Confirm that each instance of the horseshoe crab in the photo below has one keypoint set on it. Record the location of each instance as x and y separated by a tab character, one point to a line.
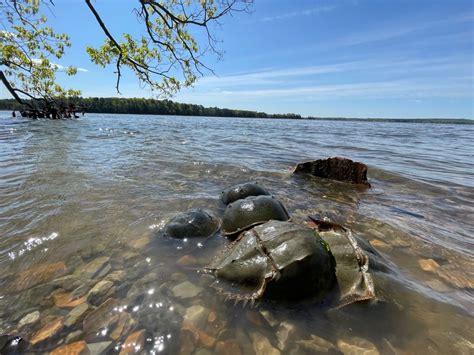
355	283
276	260
241	191
192	223
250	211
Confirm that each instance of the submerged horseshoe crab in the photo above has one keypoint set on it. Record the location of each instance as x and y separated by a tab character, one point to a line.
241	191
248	212
284	260
192	223
275	260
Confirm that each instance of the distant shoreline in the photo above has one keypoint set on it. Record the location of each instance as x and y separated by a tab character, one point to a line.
141	106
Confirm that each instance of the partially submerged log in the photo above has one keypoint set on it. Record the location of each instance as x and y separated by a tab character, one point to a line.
336	168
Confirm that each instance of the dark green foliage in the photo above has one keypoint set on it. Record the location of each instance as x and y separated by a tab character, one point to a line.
142	106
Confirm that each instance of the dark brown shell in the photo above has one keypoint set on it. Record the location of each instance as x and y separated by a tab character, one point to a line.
253	210
241	191
275	260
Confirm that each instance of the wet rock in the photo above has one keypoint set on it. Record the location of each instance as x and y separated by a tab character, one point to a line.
356	346
134	343
316	344
211	318
66	300
284	332
262	345
74	336
13	344
99	348
197	316
125	323
94	269
82	290
269	318
187	260
455	277
36	275
428	265
186	289
379	244
243	341
140	243
254	317
178	276
77	348
102	317
228	347
203	351
117	276
76	315
437	285
48	331
100	291
68	282
29	319
336	168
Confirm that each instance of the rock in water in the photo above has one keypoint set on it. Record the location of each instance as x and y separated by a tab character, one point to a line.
241	191
336	168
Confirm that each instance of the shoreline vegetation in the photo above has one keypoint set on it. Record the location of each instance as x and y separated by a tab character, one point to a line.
142	106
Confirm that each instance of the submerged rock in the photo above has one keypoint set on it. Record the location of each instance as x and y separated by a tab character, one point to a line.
36	275
357	345
77	348
336	168
30	318
189	224
248	212
241	191
48	331
134	343
186	289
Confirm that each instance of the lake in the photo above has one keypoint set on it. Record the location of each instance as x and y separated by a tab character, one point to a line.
82	202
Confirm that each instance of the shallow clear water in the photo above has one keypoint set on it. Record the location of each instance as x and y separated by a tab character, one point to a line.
97	189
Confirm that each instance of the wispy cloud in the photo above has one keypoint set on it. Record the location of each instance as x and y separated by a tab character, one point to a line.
307	12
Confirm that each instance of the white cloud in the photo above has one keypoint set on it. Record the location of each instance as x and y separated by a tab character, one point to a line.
308	12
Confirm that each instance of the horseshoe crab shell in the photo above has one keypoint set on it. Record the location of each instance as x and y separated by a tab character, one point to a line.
241	191
250	211
354	281
276	260
192	223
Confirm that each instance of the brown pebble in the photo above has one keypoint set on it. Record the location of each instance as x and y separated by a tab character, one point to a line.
134	343
66	300
206	340
378	243
49	330
228	347
77	348
187	260
36	275
428	264
254	317
212	317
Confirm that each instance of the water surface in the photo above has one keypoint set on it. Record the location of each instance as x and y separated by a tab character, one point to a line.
98	188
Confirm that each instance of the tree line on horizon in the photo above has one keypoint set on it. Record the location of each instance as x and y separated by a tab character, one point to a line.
142	106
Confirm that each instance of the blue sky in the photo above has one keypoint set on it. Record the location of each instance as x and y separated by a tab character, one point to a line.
352	58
